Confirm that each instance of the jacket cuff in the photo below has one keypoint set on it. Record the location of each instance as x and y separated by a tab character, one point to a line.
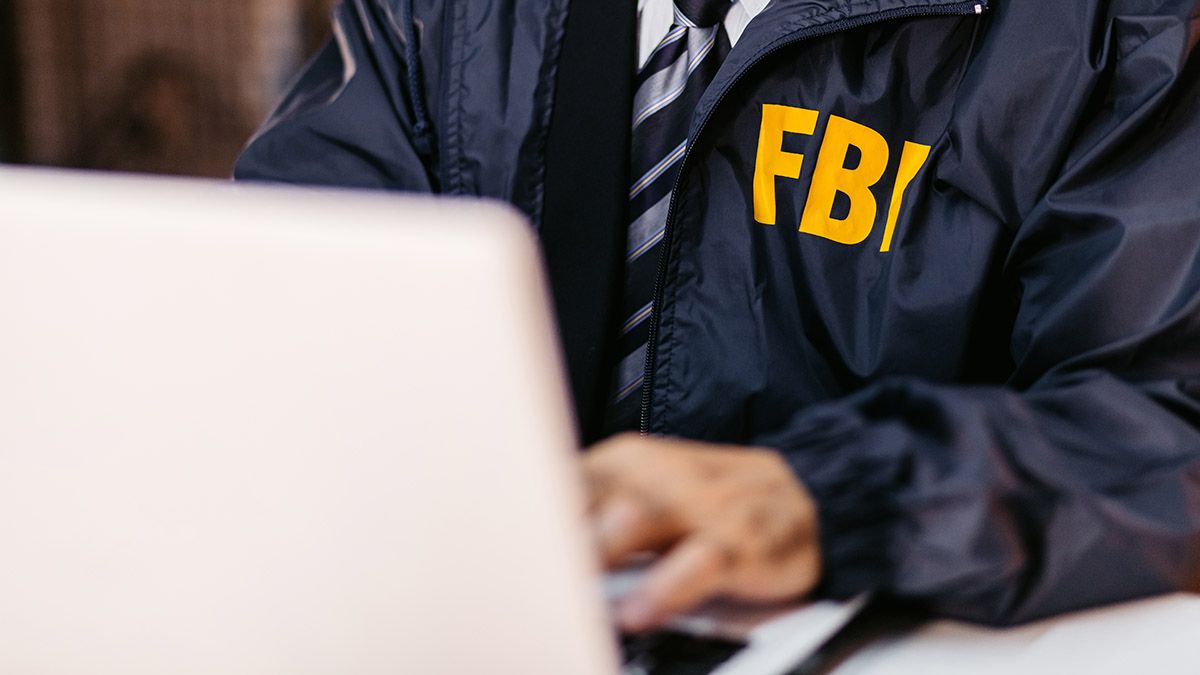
855	490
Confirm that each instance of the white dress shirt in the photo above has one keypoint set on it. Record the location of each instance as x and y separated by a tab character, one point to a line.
656	16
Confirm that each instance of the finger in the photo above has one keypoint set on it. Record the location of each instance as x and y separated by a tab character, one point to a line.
692	573
625	525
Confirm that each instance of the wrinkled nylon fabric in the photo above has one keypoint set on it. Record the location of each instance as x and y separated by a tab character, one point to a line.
999	415
488	80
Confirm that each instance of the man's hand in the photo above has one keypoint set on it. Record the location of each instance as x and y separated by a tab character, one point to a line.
730	521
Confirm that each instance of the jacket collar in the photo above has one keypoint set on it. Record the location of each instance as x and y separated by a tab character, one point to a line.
783	20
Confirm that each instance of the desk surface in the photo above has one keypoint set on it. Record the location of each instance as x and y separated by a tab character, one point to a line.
1159	635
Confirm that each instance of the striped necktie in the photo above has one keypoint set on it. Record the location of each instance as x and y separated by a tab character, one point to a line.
669	86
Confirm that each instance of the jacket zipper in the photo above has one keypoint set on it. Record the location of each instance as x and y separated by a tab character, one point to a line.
422	129
958	9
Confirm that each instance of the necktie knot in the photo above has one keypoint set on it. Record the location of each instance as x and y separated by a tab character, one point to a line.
702	13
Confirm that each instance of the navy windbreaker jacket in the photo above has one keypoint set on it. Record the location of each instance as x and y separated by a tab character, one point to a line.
942	255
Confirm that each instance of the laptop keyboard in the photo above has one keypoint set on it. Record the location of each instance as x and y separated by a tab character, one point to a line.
671	653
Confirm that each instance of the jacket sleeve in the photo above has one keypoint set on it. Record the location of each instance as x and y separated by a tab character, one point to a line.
356	117
1078	482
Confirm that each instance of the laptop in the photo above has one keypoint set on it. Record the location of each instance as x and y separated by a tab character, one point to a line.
272	430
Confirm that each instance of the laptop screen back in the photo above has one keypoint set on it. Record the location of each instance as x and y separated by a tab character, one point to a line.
264	430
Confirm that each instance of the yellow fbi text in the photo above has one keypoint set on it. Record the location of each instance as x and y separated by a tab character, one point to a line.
830	174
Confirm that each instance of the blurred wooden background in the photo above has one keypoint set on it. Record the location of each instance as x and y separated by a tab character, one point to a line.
158	86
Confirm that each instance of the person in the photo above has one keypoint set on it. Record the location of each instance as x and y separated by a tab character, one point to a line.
903	295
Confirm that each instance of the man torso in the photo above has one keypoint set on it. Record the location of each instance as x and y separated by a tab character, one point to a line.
851	205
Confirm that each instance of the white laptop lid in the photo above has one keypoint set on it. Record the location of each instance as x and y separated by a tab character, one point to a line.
271	431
